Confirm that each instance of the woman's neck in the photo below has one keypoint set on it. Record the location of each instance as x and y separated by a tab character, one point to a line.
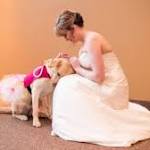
83	33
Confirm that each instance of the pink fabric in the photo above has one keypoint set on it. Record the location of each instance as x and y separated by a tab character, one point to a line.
39	72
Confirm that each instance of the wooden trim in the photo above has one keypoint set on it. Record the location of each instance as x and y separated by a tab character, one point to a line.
144	103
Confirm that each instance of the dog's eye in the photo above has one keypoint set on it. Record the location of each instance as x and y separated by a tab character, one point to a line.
58	74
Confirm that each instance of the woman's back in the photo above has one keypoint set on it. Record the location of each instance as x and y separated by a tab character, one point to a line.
105	45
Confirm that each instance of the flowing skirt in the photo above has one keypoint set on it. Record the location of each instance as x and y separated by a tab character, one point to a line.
85	111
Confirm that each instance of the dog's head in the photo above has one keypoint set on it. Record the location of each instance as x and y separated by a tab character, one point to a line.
58	67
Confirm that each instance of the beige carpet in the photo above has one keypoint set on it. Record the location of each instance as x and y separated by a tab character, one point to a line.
20	135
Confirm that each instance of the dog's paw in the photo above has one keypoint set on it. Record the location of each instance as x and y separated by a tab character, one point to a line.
53	133
24	118
36	123
21	117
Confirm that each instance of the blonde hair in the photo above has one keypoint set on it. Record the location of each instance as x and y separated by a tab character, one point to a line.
66	20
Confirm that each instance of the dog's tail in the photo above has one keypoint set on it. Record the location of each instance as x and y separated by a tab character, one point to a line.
4	107
8	91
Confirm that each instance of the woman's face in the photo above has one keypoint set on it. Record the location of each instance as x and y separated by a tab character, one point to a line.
72	35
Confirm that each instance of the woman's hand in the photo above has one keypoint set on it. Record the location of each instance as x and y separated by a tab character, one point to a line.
74	62
62	55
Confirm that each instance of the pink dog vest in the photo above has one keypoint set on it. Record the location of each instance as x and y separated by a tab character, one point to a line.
39	72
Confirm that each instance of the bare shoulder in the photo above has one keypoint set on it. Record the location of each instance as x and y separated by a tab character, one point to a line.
99	38
95	39
93	36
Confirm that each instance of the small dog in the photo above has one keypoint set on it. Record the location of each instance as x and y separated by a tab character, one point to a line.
23	95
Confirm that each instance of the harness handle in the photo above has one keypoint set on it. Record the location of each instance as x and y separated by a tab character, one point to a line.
41	68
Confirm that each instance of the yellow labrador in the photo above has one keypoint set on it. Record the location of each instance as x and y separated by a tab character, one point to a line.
21	102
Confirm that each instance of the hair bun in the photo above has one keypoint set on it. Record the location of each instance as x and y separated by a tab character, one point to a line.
78	19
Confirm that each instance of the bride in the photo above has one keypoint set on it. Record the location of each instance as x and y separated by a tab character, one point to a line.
92	105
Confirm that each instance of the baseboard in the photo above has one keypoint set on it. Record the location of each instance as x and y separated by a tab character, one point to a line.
143	100
144	103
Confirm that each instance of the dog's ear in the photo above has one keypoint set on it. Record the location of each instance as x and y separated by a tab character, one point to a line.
58	63
48	62
63	66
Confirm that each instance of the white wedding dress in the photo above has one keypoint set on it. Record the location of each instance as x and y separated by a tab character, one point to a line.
85	111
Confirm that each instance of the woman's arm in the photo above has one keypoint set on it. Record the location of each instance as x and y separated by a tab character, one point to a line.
93	47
